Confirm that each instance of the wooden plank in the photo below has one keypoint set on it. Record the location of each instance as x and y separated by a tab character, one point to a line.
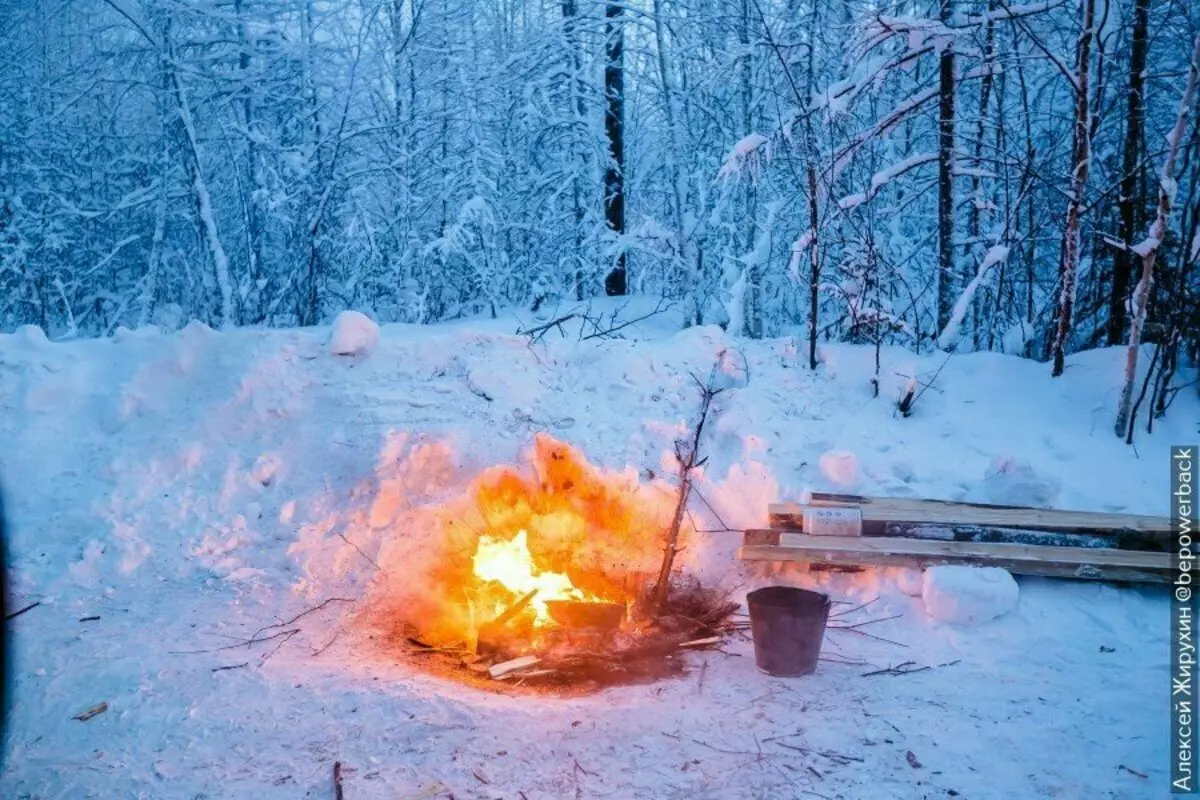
1068	562
967	533
503	668
907	509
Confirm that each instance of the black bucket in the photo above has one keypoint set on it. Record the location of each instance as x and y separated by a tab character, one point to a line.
788	625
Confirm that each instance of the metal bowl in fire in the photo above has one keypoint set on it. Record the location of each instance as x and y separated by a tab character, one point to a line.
577	614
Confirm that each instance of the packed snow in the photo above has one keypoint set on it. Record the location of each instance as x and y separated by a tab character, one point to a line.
354	333
968	595
171	494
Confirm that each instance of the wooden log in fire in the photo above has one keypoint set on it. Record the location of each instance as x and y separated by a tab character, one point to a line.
494	637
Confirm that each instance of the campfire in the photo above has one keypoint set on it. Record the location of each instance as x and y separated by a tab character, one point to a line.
546	575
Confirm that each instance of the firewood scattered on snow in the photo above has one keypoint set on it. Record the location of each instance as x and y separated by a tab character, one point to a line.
84	716
504	667
711	640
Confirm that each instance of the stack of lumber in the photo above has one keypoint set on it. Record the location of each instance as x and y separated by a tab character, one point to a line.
855	531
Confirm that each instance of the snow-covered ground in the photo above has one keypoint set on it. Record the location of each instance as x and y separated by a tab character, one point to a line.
191	488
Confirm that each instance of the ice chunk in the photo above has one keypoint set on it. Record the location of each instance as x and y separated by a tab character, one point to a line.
968	595
354	333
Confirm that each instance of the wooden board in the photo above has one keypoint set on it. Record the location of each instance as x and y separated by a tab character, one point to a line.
1153	532
1085	563
969	533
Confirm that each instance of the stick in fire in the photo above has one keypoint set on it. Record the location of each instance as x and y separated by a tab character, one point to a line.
688	456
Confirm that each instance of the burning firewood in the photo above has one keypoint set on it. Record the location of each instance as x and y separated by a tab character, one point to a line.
494	637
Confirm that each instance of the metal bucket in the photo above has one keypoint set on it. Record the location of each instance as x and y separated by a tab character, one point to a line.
788	625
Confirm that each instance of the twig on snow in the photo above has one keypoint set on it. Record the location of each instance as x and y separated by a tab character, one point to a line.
99	708
852	625
302	614
903	668
19	612
357	549
231	666
838	758
859	632
337	781
235	645
284	640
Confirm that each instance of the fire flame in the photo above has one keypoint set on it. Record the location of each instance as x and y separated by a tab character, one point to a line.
510	564
555	523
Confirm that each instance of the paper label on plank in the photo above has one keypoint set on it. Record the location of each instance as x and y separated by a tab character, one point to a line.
832	522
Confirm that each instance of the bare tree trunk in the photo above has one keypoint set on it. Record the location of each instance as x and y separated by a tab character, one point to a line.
974	223
614	120
204	205
1081	160
753	310
946	292
675	173
1130	200
252	200
1149	248
570	13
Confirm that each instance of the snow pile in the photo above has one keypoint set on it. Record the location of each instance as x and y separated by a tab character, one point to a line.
1011	482
354	333
968	595
840	468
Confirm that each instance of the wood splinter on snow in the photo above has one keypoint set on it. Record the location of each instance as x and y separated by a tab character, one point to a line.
505	667
711	640
99	708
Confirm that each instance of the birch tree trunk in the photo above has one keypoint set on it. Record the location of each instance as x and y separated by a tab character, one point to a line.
1148	249
204	204
1081	160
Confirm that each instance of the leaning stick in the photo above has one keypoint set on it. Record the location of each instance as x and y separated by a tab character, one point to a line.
514	609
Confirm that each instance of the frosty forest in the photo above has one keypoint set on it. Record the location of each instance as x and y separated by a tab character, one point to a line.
963	174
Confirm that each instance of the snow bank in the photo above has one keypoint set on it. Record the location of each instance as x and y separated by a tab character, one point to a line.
354	333
287	480
968	595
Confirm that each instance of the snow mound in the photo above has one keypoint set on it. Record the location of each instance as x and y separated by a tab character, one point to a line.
354	333
968	595
1010	482
911	582
840	468
31	335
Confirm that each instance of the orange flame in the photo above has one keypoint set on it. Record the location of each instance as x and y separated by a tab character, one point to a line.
557	524
511	565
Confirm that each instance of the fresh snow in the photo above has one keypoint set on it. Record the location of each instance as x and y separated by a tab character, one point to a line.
745	159
996	254
191	488
968	595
